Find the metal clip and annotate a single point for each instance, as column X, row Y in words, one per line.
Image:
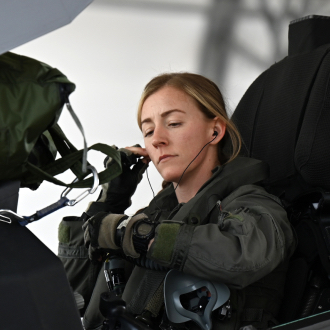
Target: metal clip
column 71, row 202
column 9, row 216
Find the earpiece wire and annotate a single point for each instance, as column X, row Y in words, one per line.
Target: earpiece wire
column 193, row 160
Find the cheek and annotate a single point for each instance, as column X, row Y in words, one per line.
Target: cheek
column 190, row 140
column 150, row 150
column 183, row 137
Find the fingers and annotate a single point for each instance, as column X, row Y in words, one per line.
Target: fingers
column 146, row 160
column 139, row 151
column 140, row 167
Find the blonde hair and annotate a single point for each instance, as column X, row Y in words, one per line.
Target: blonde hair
column 209, row 100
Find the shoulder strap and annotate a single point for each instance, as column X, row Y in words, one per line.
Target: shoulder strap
column 60, row 165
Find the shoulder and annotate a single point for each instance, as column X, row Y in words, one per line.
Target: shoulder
column 261, row 210
column 254, row 197
column 251, row 191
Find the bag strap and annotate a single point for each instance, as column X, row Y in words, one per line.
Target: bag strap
column 72, row 160
column 65, row 147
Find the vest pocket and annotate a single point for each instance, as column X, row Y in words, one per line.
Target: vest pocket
column 81, row 272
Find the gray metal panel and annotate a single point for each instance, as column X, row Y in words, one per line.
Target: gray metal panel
column 22, row 21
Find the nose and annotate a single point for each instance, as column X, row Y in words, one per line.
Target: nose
column 159, row 137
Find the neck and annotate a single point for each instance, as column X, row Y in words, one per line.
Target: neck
column 185, row 194
column 188, row 187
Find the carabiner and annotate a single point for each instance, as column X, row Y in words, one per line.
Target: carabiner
column 71, row 202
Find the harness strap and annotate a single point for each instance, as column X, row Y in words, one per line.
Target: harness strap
column 157, row 301
column 146, row 291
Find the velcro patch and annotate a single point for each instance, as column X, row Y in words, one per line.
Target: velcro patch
column 63, row 233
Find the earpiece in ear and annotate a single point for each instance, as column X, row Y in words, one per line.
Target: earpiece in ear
column 215, row 133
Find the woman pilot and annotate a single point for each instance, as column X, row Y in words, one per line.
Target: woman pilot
column 213, row 220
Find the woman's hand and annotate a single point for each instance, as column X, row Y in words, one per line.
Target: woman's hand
column 139, row 151
column 116, row 195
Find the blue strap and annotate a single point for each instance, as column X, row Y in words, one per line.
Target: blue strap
column 62, row 202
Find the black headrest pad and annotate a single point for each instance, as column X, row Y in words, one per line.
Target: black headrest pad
column 284, row 118
column 308, row 33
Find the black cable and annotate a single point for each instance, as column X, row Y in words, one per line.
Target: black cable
column 193, row 160
column 153, row 193
column 143, row 261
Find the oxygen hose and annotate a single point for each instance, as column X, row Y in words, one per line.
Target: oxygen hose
column 142, row 261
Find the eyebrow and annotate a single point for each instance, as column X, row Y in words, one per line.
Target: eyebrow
column 163, row 115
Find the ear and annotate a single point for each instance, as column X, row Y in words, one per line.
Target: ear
column 219, row 127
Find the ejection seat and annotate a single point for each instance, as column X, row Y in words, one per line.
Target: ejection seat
column 284, row 119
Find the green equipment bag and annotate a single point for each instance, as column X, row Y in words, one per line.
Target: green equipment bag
column 80, row 271
column 32, row 95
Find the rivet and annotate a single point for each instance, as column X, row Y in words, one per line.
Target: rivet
column 194, row 220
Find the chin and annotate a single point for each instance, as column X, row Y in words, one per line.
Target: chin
column 169, row 176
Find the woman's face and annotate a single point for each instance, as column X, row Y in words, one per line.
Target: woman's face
column 175, row 130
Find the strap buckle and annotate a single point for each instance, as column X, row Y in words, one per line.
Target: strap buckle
column 66, row 191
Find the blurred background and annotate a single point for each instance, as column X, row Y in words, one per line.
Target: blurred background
column 114, row 47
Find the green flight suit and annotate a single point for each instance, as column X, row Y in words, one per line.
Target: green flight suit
column 233, row 232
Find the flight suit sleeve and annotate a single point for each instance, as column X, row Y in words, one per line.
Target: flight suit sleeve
column 250, row 237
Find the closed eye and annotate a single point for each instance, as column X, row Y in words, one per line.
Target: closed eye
column 174, row 124
column 148, row 133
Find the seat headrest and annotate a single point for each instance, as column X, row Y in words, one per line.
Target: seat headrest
column 308, row 33
column 284, row 119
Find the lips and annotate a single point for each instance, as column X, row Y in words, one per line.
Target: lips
column 162, row 158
